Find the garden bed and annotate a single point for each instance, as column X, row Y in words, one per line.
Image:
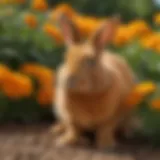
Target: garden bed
column 35, row 142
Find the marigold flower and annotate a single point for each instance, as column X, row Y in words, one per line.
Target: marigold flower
column 40, row 5
column 30, row 20
column 151, row 41
column 16, row 85
column 157, row 49
column 127, row 33
column 53, row 32
column 156, row 19
column 139, row 28
column 45, row 78
column 155, row 103
column 145, row 88
column 139, row 92
column 122, row 37
column 86, row 25
column 44, row 75
column 45, row 96
column 133, row 100
column 62, row 8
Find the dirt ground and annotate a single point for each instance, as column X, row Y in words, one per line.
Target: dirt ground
column 19, row 142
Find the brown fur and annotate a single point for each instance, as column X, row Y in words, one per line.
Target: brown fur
column 94, row 100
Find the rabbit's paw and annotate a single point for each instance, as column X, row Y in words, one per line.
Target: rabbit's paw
column 57, row 129
column 66, row 139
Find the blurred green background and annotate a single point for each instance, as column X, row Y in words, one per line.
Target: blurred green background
column 129, row 9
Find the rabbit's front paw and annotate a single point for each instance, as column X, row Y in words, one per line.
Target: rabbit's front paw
column 57, row 129
column 66, row 139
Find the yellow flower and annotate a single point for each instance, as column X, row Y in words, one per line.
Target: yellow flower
column 62, row 8
column 30, row 20
column 138, row 94
column 40, row 5
column 16, row 85
column 53, row 32
column 155, row 104
column 156, row 19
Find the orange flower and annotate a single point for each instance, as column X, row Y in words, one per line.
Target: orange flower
column 44, row 75
column 151, row 41
column 157, row 49
column 45, row 96
column 86, row 25
column 139, row 28
column 133, row 100
column 62, row 8
column 53, row 32
column 155, row 104
column 16, row 85
column 123, row 36
column 156, row 19
column 139, row 92
column 40, row 5
column 145, row 88
column 30, row 20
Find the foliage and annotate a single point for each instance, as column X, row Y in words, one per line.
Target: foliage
column 128, row 9
column 32, row 47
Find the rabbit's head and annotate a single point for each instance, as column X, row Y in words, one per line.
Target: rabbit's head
column 83, row 59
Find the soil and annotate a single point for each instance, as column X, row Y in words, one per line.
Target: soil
column 35, row 142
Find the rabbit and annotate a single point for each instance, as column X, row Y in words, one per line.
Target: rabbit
column 92, row 83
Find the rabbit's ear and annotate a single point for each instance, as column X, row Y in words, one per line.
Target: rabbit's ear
column 69, row 30
column 105, row 33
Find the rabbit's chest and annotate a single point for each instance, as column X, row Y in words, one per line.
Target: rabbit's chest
column 87, row 111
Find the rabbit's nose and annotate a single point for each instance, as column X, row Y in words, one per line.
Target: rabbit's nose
column 91, row 62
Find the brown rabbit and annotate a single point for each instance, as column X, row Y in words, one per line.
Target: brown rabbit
column 91, row 85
